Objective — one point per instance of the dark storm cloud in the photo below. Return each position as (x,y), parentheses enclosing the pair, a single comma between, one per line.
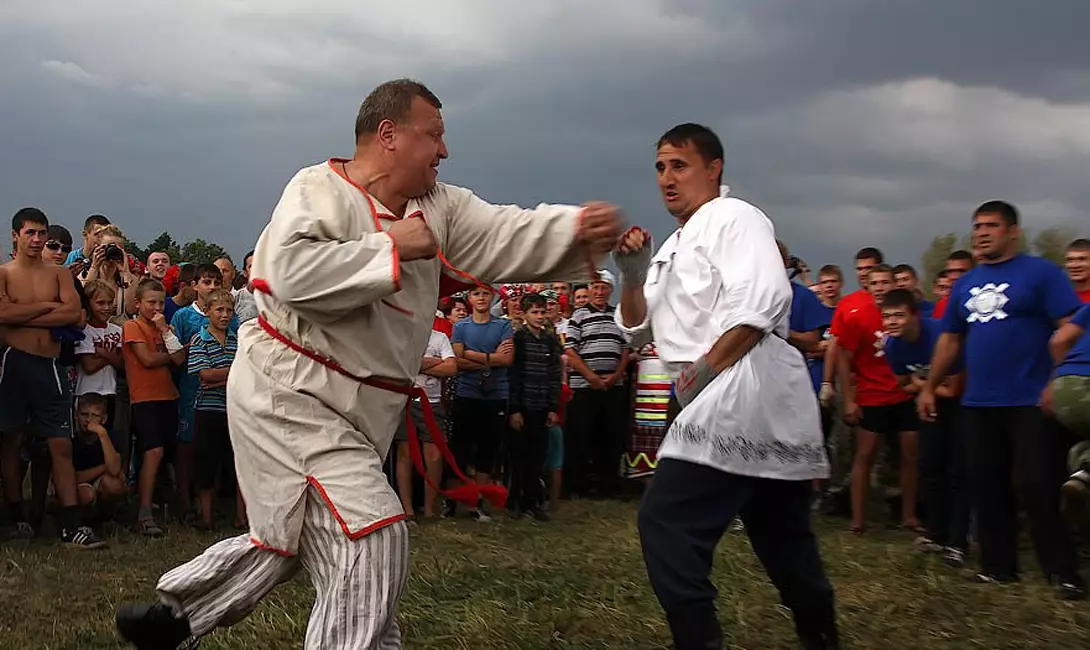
(845,120)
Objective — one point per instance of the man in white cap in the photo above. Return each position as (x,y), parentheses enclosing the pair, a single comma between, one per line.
(598,355)
(347,275)
(748,441)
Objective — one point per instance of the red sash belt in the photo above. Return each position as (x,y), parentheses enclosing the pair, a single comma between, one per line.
(468,493)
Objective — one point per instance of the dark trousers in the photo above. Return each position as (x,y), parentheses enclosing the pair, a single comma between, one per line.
(997,437)
(685,512)
(527,448)
(594,439)
(943,483)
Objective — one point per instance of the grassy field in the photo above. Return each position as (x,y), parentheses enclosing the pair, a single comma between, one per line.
(577,582)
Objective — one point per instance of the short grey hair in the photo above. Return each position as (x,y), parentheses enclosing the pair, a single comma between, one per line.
(391,101)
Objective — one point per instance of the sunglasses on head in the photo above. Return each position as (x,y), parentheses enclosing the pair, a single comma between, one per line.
(53,245)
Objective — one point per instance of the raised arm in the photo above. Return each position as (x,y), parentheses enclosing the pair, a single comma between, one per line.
(307,260)
(507,243)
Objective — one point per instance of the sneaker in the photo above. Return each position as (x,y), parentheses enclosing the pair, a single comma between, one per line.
(151,627)
(148,528)
(1076,496)
(538,515)
(738,526)
(19,530)
(954,557)
(1069,588)
(925,544)
(82,538)
(480,515)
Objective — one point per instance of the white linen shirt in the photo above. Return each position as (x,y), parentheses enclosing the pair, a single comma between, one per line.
(759,417)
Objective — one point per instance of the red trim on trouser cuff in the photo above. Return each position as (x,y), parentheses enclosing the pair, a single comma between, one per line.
(352,535)
(265,547)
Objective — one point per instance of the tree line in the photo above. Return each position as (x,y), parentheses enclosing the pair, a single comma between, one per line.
(197,251)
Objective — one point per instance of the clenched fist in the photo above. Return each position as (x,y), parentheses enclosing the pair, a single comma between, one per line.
(632,257)
(599,227)
(414,240)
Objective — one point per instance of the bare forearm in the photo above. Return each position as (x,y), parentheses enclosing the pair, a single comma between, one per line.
(843,365)
(113,459)
(214,375)
(946,352)
(62,316)
(92,364)
(804,341)
(734,344)
(579,365)
(88,475)
(466,364)
(832,356)
(633,307)
(21,314)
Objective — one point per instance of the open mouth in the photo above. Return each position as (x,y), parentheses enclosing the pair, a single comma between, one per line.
(670,195)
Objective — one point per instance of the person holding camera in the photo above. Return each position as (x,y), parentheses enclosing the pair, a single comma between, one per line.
(109,263)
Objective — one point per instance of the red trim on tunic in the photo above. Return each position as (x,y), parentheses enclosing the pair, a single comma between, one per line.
(265,547)
(352,535)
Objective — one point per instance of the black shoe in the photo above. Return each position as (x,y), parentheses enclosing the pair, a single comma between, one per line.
(695,628)
(539,515)
(818,641)
(153,627)
(1069,587)
(82,538)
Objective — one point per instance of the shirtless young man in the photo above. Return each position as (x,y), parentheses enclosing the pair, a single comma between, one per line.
(36,296)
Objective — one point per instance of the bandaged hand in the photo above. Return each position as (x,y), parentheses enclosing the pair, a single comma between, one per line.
(826,394)
(633,257)
(692,380)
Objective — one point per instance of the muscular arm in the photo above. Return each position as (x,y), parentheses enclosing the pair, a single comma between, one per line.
(732,345)
(947,350)
(68,311)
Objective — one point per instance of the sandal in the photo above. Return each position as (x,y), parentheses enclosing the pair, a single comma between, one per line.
(148,528)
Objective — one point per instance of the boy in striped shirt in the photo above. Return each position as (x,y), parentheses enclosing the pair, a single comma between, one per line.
(211,352)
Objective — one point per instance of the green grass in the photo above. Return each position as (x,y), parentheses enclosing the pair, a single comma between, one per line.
(577,582)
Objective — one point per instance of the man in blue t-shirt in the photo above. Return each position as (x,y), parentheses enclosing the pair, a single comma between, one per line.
(910,344)
(484,349)
(1068,399)
(1001,315)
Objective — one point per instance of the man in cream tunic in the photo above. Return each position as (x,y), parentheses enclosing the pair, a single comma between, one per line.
(748,439)
(346,276)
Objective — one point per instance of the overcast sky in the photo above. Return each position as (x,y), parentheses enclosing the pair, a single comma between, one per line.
(850,122)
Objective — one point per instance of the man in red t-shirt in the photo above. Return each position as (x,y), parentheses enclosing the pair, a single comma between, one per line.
(1077,265)
(876,402)
(958,264)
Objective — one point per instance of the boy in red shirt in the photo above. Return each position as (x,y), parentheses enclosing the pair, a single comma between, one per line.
(876,402)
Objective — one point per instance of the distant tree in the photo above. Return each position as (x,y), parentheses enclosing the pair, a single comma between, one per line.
(933,259)
(199,251)
(164,243)
(1051,243)
(134,250)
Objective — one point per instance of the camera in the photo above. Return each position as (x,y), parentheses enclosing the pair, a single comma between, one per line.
(114,253)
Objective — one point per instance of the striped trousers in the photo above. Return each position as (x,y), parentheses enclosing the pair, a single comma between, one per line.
(358,583)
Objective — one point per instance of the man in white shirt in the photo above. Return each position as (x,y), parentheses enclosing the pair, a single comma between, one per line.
(748,440)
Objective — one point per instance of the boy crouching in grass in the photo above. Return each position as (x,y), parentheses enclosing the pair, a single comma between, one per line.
(100,476)
(211,352)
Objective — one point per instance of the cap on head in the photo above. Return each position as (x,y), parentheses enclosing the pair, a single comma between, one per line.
(605,276)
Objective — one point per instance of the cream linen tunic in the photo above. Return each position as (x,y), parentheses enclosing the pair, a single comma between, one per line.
(759,417)
(328,279)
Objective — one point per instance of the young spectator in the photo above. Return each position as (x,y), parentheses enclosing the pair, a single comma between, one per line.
(211,352)
(580,296)
(554,314)
(150,350)
(837,435)
(58,246)
(158,263)
(187,323)
(110,263)
(941,288)
(36,297)
(100,474)
(438,364)
(876,402)
(1068,399)
(484,350)
(99,355)
(561,288)
(1077,265)
(1003,313)
(180,283)
(534,406)
(866,259)
(90,239)
(594,439)
(904,277)
(958,264)
(909,347)
(245,305)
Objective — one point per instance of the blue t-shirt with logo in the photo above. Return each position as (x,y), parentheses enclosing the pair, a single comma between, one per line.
(484,338)
(1077,361)
(914,357)
(1007,313)
(807,315)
